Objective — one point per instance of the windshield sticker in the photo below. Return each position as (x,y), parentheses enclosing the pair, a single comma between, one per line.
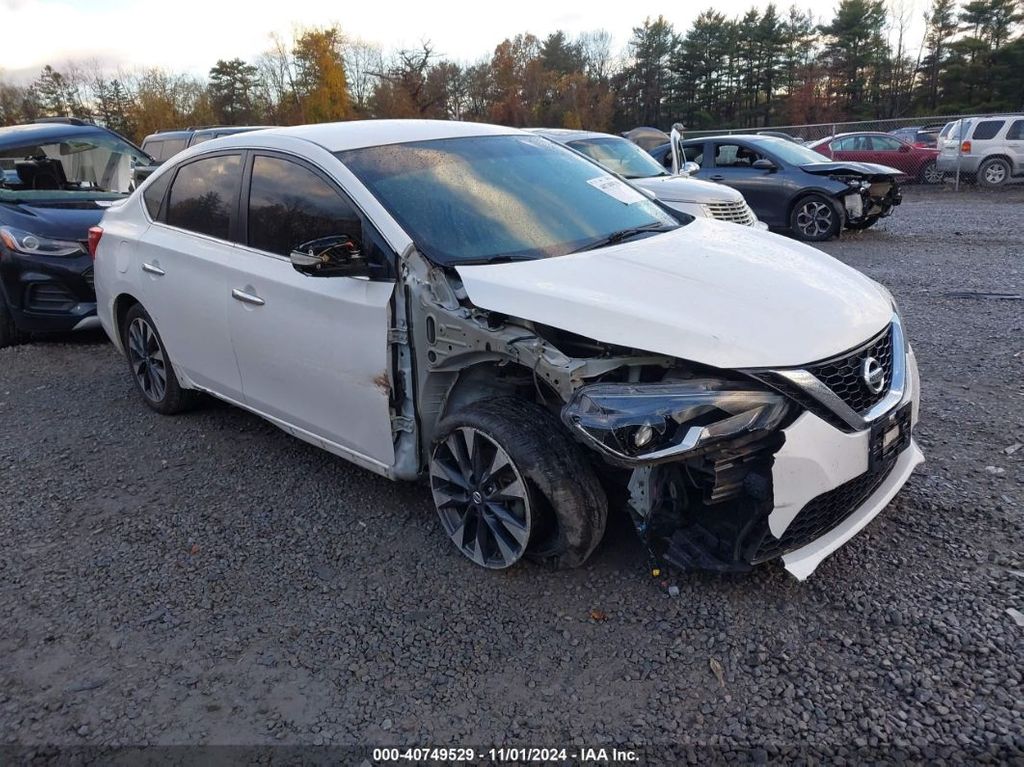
(612,187)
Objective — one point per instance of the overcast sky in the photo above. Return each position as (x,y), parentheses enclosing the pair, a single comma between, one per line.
(191,35)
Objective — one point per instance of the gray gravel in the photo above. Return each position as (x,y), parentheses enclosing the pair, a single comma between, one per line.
(207,579)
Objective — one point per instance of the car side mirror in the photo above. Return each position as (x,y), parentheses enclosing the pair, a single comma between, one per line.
(336,256)
(689,168)
(763,164)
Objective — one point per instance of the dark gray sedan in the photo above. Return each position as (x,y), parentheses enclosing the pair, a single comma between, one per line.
(792,188)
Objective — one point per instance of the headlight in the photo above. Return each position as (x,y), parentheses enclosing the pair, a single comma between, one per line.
(21,241)
(647,423)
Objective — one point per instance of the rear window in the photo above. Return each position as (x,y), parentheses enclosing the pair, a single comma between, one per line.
(204,195)
(988,129)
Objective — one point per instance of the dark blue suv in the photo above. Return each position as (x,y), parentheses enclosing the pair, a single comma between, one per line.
(56,179)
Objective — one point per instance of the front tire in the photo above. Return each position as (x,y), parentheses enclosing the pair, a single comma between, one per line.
(815,218)
(150,366)
(508,482)
(994,172)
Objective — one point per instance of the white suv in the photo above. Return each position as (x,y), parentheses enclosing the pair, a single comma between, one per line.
(989,148)
(490,311)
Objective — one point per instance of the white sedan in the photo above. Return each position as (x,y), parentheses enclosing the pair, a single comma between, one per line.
(483,308)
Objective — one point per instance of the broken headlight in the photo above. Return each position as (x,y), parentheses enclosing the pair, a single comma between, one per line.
(647,423)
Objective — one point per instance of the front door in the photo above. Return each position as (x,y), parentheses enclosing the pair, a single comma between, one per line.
(732,164)
(313,351)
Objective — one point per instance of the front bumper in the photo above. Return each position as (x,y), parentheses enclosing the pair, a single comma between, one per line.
(48,293)
(797,494)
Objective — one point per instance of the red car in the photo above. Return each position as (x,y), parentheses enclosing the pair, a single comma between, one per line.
(917,162)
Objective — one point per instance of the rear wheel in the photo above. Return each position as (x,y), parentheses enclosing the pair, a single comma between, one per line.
(994,172)
(9,333)
(815,218)
(508,482)
(151,368)
(930,174)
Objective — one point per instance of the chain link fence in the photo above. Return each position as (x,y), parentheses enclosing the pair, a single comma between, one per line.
(967,153)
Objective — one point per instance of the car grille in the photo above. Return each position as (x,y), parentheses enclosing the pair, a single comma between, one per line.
(49,297)
(734,212)
(844,377)
(828,510)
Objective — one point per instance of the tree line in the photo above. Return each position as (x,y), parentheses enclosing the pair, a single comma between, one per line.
(764,67)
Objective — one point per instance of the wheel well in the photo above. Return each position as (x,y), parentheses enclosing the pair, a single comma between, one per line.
(1002,157)
(122,304)
(819,193)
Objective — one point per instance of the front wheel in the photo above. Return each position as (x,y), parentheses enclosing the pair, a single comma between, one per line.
(508,482)
(150,366)
(815,218)
(930,174)
(994,172)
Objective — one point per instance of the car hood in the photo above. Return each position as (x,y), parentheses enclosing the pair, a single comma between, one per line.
(868,170)
(64,220)
(683,189)
(726,296)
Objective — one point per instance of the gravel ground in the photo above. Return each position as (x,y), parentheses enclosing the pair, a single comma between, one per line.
(207,579)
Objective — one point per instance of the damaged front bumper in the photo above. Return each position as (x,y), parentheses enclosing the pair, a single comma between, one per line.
(797,492)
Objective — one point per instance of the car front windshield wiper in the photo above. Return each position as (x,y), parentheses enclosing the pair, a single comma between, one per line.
(506,258)
(622,235)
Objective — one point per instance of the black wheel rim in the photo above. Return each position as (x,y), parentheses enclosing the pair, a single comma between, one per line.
(146,356)
(481,498)
(814,219)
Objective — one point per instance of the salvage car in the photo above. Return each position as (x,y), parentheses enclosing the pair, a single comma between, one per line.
(677,191)
(488,310)
(795,189)
(917,162)
(58,176)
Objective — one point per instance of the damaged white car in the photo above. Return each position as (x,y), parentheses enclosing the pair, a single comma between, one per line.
(485,309)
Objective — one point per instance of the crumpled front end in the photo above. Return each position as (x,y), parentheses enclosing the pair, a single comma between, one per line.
(788,463)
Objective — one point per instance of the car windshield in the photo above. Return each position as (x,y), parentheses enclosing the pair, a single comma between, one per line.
(790,153)
(485,199)
(619,156)
(79,164)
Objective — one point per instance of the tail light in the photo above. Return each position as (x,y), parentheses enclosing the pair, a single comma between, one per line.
(95,232)
(965,147)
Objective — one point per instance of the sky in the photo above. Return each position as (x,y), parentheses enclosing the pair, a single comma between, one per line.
(190,35)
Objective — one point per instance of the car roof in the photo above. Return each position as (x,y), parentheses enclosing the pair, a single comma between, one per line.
(227,130)
(356,134)
(167,134)
(565,135)
(45,133)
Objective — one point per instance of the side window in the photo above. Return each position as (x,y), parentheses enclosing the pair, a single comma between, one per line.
(735,156)
(153,197)
(988,129)
(845,144)
(204,194)
(884,144)
(1016,132)
(692,154)
(290,204)
(153,149)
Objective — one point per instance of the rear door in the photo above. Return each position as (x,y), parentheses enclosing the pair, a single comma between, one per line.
(313,351)
(888,150)
(1015,145)
(183,266)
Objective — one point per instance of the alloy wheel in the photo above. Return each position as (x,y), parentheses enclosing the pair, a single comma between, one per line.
(932,174)
(481,498)
(815,218)
(147,359)
(995,173)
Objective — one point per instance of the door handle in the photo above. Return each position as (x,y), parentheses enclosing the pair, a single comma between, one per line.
(153,270)
(717,178)
(246,298)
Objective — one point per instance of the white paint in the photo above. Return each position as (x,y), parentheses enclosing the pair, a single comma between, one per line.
(724,295)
